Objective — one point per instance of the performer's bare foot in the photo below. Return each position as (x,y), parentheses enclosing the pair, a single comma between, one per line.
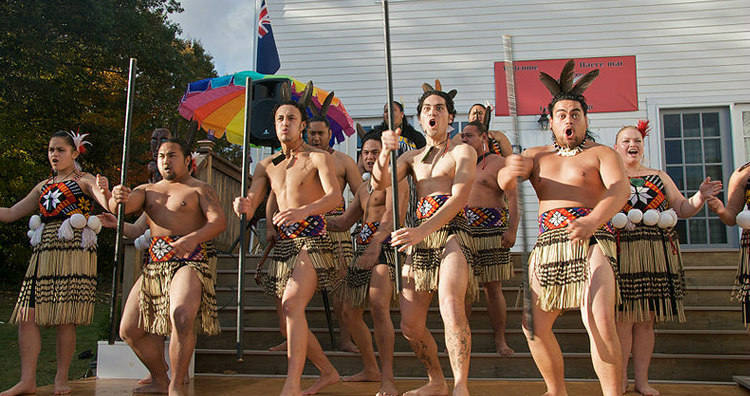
(363,376)
(387,388)
(61,386)
(430,389)
(503,349)
(348,346)
(152,388)
(147,379)
(323,381)
(646,390)
(21,388)
(177,390)
(280,347)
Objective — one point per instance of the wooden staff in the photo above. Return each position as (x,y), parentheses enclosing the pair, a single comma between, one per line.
(394,155)
(243,221)
(528,311)
(119,251)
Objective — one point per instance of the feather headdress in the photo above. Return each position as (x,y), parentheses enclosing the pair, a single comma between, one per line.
(79,142)
(643,127)
(564,86)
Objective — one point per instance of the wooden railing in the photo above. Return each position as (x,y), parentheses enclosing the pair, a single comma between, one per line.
(225,178)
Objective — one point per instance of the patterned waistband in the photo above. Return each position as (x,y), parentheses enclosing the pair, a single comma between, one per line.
(337,211)
(310,226)
(561,217)
(161,249)
(427,206)
(485,217)
(368,231)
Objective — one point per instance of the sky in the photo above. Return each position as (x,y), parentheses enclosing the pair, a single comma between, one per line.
(224,28)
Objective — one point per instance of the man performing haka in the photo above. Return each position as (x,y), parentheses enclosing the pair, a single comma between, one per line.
(580,185)
(444,174)
(319,136)
(305,186)
(372,272)
(490,230)
(175,294)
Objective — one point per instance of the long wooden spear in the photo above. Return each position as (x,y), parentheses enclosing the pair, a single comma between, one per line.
(119,252)
(394,154)
(243,221)
(528,311)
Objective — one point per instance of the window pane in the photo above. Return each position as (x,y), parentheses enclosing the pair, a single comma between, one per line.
(745,122)
(717,231)
(712,149)
(672,126)
(714,172)
(747,148)
(693,152)
(710,124)
(693,177)
(673,150)
(691,125)
(681,231)
(698,233)
(675,172)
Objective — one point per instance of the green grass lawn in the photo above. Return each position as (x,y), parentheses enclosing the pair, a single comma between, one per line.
(86,338)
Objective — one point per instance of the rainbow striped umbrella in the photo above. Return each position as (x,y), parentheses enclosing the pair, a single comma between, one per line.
(218,105)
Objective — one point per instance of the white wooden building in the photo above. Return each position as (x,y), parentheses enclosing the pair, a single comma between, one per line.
(692,64)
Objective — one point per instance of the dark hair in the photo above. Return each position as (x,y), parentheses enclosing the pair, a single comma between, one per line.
(318,119)
(302,110)
(479,125)
(397,104)
(477,104)
(65,135)
(372,135)
(448,101)
(183,146)
(568,96)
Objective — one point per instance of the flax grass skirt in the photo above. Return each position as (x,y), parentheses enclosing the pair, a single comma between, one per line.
(355,289)
(489,261)
(283,258)
(428,255)
(562,269)
(154,298)
(741,290)
(652,278)
(60,283)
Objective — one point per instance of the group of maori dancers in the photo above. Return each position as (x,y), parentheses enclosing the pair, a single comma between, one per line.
(607,245)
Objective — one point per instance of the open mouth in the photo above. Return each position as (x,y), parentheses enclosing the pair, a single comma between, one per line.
(433,123)
(633,152)
(569,132)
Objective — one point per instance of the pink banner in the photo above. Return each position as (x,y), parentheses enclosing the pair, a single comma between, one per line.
(614,90)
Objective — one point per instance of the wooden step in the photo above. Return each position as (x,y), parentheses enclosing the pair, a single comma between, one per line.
(483,365)
(703,275)
(731,342)
(698,318)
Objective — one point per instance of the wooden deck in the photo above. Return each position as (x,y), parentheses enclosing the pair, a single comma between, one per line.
(234,385)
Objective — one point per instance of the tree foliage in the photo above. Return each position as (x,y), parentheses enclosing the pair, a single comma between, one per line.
(64,65)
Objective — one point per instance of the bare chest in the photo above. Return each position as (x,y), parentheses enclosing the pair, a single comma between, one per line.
(554,171)
(172,199)
(374,204)
(292,174)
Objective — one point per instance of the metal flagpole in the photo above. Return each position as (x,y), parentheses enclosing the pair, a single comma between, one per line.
(119,252)
(512,110)
(394,155)
(243,221)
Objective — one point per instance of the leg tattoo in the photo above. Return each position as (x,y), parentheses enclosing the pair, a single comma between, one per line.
(458,344)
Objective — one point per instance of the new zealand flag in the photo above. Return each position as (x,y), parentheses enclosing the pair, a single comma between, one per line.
(267,61)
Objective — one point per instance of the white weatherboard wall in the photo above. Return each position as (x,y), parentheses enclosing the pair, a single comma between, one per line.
(689,53)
